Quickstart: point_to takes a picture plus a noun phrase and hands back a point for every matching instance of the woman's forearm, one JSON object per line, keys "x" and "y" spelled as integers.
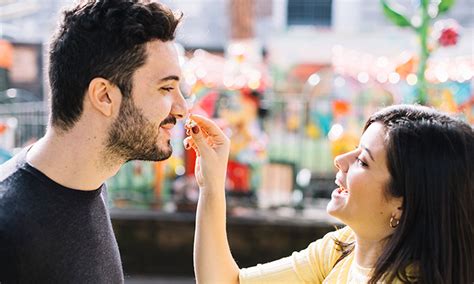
{"x": 213, "y": 261}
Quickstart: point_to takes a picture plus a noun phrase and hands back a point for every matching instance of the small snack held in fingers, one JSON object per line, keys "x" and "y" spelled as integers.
{"x": 189, "y": 124}
{"x": 192, "y": 125}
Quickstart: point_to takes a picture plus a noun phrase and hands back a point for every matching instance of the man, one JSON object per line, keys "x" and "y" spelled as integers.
{"x": 114, "y": 77}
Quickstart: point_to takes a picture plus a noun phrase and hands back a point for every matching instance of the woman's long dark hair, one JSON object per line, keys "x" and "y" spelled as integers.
{"x": 430, "y": 157}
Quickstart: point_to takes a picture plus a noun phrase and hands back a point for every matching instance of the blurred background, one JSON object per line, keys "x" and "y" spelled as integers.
{"x": 290, "y": 81}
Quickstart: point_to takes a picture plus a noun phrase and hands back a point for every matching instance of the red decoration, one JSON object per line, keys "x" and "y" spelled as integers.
{"x": 340, "y": 107}
{"x": 303, "y": 71}
{"x": 6, "y": 54}
{"x": 190, "y": 161}
{"x": 3, "y": 128}
{"x": 407, "y": 67}
{"x": 238, "y": 177}
{"x": 208, "y": 103}
{"x": 449, "y": 36}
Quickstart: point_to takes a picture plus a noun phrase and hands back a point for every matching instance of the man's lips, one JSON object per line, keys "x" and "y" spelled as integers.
{"x": 167, "y": 126}
{"x": 169, "y": 122}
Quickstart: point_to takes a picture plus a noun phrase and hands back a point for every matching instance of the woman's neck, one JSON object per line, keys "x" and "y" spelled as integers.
{"x": 367, "y": 251}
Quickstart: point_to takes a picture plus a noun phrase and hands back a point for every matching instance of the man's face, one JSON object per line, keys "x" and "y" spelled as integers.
{"x": 142, "y": 130}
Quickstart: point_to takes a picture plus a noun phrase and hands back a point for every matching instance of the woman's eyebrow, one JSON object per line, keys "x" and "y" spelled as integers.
{"x": 368, "y": 152}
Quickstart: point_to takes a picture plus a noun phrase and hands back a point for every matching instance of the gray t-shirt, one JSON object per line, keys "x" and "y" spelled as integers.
{"x": 53, "y": 234}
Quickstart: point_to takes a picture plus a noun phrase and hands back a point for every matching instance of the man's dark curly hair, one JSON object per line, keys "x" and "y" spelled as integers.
{"x": 102, "y": 38}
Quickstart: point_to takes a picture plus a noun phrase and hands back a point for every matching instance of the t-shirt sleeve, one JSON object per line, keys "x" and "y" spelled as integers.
{"x": 310, "y": 265}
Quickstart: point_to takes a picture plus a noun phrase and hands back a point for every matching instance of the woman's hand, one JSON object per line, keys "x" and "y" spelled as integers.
{"x": 213, "y": 261}
{"x": 212, "y": 148}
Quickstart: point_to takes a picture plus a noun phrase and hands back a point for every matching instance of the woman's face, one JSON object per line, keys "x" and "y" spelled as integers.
{"x": 360, "y": 201}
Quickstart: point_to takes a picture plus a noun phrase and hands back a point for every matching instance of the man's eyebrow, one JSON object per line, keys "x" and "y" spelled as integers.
{"x": 368, "y": 151}
{"x": 169, "y": 78}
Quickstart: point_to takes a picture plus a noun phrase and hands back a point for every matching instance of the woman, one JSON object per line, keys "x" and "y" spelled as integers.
{"x": 406, "y": 194}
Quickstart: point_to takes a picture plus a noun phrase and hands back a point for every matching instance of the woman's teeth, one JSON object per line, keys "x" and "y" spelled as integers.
{"x": 342, "y": 189}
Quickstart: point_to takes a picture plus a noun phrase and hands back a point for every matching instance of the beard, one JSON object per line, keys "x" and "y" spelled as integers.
{"x": 133, "y": 137}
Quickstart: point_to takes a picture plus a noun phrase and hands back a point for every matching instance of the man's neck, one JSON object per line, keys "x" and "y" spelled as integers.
{"x": 73, "y": 159}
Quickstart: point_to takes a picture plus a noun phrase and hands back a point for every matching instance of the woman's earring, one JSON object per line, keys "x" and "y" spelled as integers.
{"x": 394, "y": 222}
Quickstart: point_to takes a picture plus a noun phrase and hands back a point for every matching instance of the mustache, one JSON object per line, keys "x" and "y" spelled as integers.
{"x": 169, "y": 120}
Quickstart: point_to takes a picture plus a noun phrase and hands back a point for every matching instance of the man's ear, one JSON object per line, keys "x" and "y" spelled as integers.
{"x": 104, "y": 96}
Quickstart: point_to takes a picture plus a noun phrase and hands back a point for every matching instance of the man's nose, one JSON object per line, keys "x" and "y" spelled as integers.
{"x": 179, "y": 109}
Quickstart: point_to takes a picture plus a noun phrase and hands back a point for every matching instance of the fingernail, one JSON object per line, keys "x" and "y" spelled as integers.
{"x": 195, "y": 129}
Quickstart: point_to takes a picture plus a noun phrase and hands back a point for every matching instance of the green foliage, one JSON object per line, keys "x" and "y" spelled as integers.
{"x": 394, "y": 16}
{"x": 445, "y": 5}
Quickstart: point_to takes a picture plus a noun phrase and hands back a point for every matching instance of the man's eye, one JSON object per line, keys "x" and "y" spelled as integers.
{"x": 168, "y": 89}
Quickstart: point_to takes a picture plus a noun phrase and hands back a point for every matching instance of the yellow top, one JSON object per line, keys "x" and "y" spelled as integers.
{"x": 315, "y": 264}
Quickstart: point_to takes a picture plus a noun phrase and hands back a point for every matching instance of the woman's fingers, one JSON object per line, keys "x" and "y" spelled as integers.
{"x": 187, "y": 142}
{"x": 209, "y": 128}
{"x": 200, "y": 140}
{"x": 190, "y": 144}
{"x": 212, "y": 148}
{"x": 208, "y": 137}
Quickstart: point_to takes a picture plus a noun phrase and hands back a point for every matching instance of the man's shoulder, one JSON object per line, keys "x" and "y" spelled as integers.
{"x": 8, "y": 172}
{"x": 11, "y": 166}
{"x": 13, "y": 178}
{"x": 7, "y": 169}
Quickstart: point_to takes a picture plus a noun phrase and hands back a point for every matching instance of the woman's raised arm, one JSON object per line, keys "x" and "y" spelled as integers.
{"x": 213, "y": 261}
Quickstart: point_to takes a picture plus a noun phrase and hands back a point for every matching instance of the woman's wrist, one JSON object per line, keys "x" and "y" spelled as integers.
{"x": 212, "y": 190}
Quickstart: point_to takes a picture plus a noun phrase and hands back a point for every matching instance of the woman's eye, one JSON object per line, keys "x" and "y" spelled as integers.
{"x": 361, "y": 163}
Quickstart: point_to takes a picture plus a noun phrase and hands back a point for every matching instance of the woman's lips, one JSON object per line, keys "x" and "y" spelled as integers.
{"x": 339, "y": 193}
{"x": 340, "y": 184}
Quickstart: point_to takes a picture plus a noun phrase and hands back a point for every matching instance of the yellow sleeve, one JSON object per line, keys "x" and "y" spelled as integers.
{"x": 310, "y": 265}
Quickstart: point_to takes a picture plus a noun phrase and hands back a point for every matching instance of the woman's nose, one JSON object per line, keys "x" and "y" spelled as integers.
{"x": 341, "y": 163}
